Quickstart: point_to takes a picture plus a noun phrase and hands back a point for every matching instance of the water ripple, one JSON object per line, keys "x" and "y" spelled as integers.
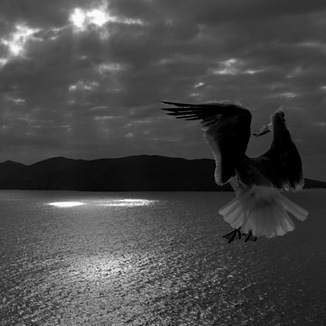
{"x": 158, "y": 260}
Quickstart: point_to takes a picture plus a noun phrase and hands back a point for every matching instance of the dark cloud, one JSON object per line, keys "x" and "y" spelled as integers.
{"x": 91, "y": 87}
{"x": 41, "y": 13}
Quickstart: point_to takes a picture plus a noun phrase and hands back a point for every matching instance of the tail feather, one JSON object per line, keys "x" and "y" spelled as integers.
{"x": 234, "y": 212}
{"x": 297, "y": 211}
{"x": 264, "y": 211}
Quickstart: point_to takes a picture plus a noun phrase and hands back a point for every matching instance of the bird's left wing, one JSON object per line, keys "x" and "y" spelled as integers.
{"x": 227, "y": 129}
{"x": 281, "y": 164}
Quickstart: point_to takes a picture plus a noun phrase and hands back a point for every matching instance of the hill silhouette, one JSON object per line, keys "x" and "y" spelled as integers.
{"x": 134, "y": 173}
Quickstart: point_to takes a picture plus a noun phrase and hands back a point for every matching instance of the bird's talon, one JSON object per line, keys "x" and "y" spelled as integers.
{"x": 236, "y": 233}
{"x": 232, "y": 235}
{"x": 249, "y": 236}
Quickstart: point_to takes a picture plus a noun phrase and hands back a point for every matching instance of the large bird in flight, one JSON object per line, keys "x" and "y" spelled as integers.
{"x": 259, "y": 209}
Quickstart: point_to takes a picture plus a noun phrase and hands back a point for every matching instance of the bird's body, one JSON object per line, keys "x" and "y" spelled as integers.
{"x": 259, "y": 208}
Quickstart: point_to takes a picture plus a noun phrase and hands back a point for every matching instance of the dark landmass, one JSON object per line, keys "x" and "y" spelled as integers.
{"x": 134, "y": 173}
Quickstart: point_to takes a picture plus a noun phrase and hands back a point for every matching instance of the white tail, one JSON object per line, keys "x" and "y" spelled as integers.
{"x": 263, "y": 210}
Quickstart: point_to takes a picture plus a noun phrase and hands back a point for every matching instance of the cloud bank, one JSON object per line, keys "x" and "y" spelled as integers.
{"x": 83, "y": 79}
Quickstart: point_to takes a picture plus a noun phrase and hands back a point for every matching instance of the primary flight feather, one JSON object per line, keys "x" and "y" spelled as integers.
{"x": 259, "y": 208}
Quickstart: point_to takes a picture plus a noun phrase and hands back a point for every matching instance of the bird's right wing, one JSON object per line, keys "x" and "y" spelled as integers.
{"x": 227, "y": 130}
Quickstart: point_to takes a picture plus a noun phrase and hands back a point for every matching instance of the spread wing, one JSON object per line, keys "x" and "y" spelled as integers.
{"x": 227, "y": 130}
{"x": 281, "y": 164}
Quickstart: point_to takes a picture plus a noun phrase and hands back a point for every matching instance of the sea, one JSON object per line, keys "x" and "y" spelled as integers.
{"x": 154, "y": 258}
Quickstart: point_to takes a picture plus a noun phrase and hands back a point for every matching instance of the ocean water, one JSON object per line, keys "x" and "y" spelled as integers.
{"x": 74, "y": 258}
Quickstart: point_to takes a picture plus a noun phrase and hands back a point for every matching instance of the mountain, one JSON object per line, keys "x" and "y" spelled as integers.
{"x": 309, "y": 183}
{"x": 134, "y": 173}
{"x": 9, "y": 171}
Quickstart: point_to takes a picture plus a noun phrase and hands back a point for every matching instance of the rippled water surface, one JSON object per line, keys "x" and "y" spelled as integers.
{"x": 72, "y": 258}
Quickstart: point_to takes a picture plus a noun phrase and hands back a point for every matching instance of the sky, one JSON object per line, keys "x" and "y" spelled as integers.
{"x": 84, "y": 79}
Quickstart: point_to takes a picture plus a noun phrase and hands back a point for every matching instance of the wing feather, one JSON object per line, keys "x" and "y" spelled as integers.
{"x": 227, "y": 129}
{"x": 281, "y": 163}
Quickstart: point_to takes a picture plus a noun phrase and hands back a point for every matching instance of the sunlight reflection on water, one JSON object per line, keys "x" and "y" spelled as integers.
{"x": 155, "y": 259}
{"x": 109, "y": 202}
{"x": 66, "y": 204}
{"x": 127, "y": 202}
{"x": 99, "y": 267}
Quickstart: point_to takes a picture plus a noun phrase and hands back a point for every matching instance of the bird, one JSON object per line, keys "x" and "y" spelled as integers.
{"x": 259, "y": 209}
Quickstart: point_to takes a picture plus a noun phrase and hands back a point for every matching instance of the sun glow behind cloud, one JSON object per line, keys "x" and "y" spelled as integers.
{"x": 81, "y": 19}
{"x": 17, "y": 41}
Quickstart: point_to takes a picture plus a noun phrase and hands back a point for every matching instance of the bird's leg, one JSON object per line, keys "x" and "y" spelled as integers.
{"x": 249, "y": 236}
{"x": 233, "y": 234}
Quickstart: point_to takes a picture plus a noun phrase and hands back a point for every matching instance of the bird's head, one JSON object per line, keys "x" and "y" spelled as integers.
{"x": 276, "y": 118}
{"x": 263, "y": 130}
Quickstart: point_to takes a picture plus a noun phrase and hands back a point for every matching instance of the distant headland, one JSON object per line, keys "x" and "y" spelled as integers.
{"x": 133, "y": 173}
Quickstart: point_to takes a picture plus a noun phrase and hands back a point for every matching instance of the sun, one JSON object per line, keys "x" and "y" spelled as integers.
{"x": 81, "y": 18}
{"x": 78, "y": 18}
{"x": 98, "y": 17}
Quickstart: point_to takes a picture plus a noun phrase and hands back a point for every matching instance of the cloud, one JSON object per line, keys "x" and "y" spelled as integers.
{"x": 84, "y": 78}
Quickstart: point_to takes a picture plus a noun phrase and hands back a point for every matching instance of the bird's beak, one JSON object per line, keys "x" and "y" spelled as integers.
{"x": 263, "y": 130}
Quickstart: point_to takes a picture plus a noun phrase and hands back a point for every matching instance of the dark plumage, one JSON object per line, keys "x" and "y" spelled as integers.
{"x": 259, "y": 207}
